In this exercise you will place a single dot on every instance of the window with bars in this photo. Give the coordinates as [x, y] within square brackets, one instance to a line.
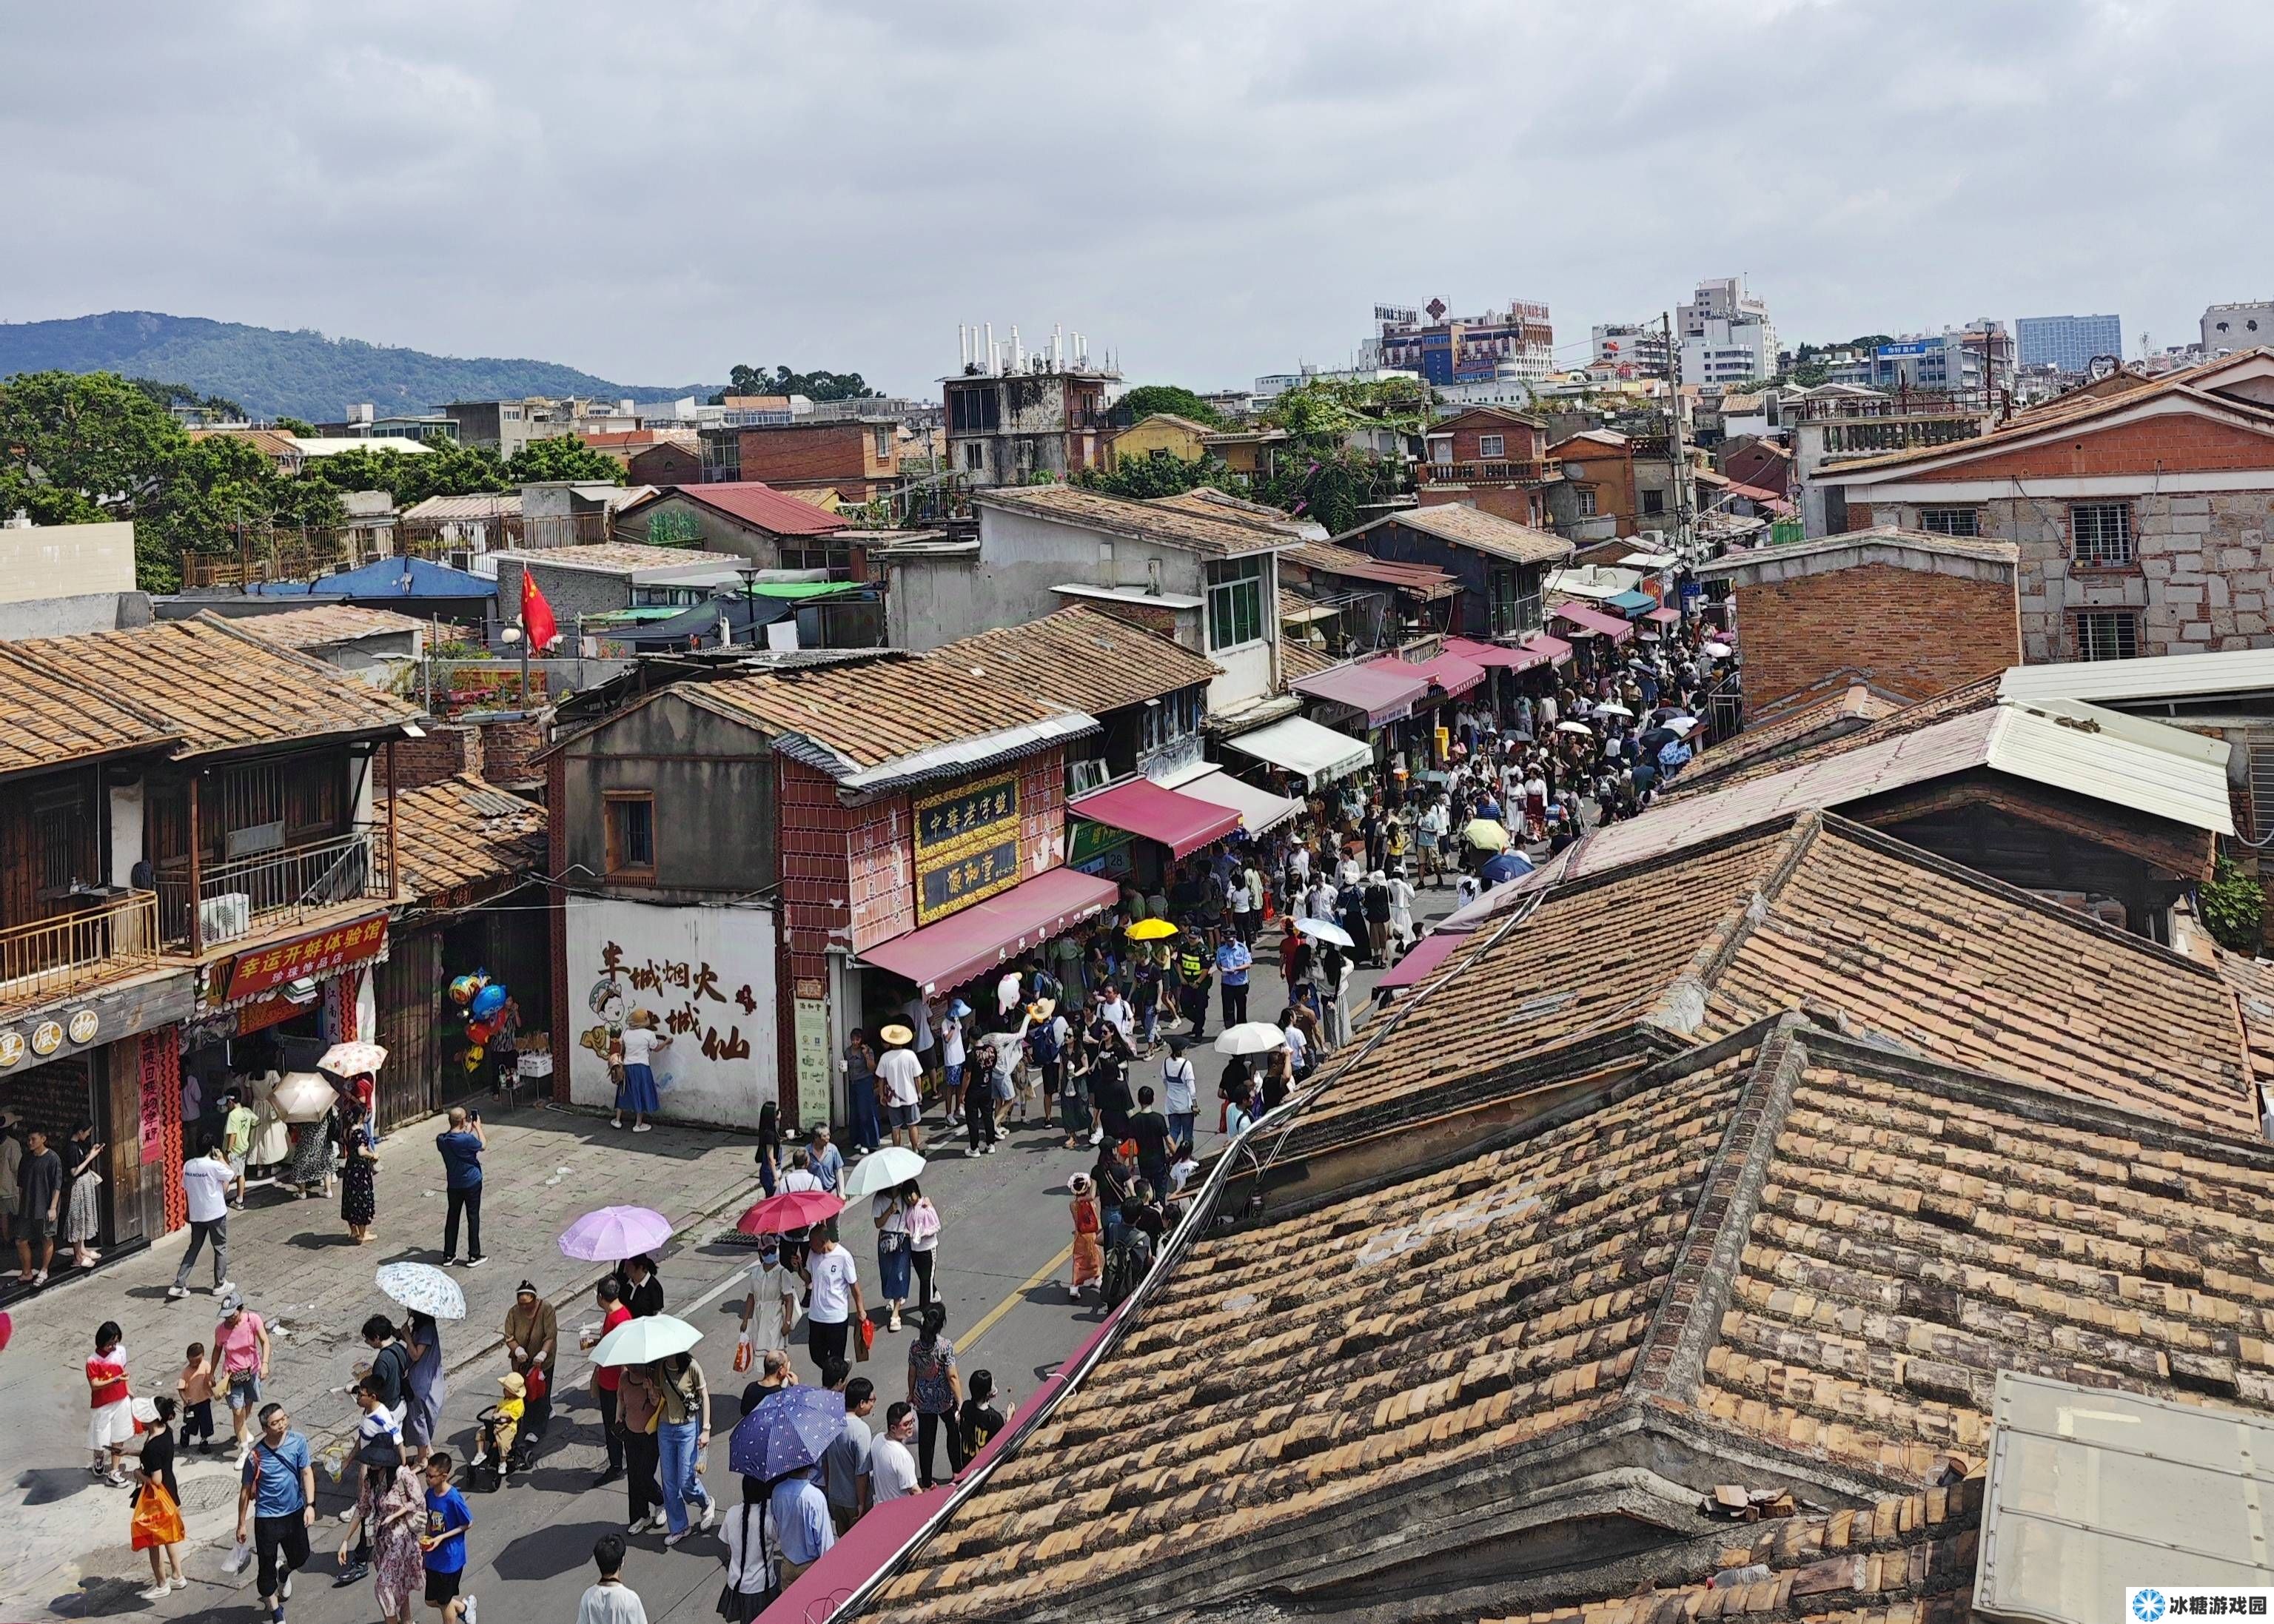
[2107, 634]
[2100, 533]
[631, 834]
[1951, 521]
[2261, 762]
[1235, 603]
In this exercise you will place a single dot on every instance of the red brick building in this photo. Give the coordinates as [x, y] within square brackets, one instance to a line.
[1595, 495]
[1487, 458]
[1912, 615]
[858, 458]
[666, 463]
[1762, 463]
[2140, 513]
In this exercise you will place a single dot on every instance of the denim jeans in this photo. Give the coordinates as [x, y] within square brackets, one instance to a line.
[1180, 1127]
[675, 1464]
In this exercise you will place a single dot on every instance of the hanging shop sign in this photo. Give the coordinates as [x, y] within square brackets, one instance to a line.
[46, 1037]
[967, 846]
[319, 952]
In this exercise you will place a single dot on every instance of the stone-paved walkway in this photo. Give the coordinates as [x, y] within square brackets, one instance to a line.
[296, 1266]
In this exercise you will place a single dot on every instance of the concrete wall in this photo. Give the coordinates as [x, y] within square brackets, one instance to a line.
[571, 592]
[713, 783]
[67, 617]
[66, 561]
[1021, 558]
[716, 532]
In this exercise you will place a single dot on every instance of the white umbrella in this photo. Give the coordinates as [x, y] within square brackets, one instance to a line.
[644, 1342]
[352, 1059]
[302, 1096]
[883, 1169]
[1611, 707]
[1323, 930]
[423, 1287]
[1250, 1037]
[1718, 650]
[1680, 723]
[1573, 727]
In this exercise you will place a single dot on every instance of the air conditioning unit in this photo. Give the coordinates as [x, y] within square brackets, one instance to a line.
[225, 918]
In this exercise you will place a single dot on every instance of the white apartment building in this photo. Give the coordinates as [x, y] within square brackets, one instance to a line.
[1727, 335]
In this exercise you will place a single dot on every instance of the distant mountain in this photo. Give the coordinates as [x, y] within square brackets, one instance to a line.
[301, 374]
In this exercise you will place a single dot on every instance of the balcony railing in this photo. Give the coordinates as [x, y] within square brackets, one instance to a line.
[271, 888]
[49, 958]
[1483, 472]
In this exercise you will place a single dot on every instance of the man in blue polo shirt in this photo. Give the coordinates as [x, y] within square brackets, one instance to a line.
[801, 1519]
[278, 1501]
[1232, 959]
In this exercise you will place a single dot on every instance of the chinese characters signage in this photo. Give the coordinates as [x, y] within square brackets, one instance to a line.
[318, 953]
[964, 879]
[706, 975]
[967, 817]
[811, 1016]
[2149, 1605]
[682, 987]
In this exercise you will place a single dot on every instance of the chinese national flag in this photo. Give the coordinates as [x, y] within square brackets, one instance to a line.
[536, 622]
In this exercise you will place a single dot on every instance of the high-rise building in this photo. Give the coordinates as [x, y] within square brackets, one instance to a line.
[2237, 326]
[1976, 358]
[1726, 333]
[1634, 348]
[2069, 343]
[1448, 349]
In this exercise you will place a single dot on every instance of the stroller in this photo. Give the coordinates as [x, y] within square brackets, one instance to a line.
[496, 1455]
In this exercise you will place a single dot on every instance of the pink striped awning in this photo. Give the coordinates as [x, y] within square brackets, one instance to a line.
[1594, 622]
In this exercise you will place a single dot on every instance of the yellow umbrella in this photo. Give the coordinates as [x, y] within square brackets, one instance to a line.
[1151, 931]
[1486, 835]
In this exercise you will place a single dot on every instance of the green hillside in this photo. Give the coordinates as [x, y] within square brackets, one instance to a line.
[302, 374]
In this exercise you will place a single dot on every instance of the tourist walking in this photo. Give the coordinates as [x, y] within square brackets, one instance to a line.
[462, 1144]
[1232, 959]
[308, 1170]
[205, 1183]
[532, 1343]
[923, 1219]
[834, 1303]
[635, 1048]
[157, 1503]
[844, 1458]
[770, 1306]
[275, 1506]
[642, 1286]
[444, 1543]
[241, 1354]
[1179, 1091]
[752, 1573]
[1089, 1253]
[195, 1390]
[358, 1175]
[892, 1463]
[390, 1515]
[935, 1389]
[608, 1297]
[638, 1396]
[682, 1433]
[610, 1600]
[888, 1211]
[425, 1387]
[110, 1408]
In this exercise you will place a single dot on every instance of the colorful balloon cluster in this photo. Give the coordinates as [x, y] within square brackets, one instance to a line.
[484, 1002]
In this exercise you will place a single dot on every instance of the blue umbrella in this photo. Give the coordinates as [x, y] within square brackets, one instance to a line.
[787, 1432]
[1503, 867]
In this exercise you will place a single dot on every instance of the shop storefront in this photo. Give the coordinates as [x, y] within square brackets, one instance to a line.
[1167, 825]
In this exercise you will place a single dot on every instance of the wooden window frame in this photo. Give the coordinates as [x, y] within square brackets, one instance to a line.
[617, 869]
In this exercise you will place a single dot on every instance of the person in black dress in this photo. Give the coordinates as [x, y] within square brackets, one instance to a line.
[359, 1179]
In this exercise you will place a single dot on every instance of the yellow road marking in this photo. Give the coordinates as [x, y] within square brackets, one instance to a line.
[1004, 1307]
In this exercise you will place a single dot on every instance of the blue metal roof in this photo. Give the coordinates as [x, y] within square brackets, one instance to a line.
[387, 579]
[1632, 602]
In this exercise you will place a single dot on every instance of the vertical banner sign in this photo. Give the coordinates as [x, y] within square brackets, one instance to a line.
[810, 1030]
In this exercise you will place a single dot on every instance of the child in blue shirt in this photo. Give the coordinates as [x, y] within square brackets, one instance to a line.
[444, 1543]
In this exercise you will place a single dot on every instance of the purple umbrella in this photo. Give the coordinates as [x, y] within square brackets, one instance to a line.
[787, 1432]
[615, 1233]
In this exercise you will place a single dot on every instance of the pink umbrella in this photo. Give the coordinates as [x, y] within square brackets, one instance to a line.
[794, 1209]
[615, 1233]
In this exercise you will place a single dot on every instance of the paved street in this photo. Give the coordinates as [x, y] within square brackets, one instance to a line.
[1002, 1272]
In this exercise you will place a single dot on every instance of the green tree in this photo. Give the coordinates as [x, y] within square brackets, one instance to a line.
[819, 385]
[563, 457]
[443, 469]
[1159, 473]
[1331, 486]
[2233, 908]
[166, 396]
[1178, 402]
[297, 426]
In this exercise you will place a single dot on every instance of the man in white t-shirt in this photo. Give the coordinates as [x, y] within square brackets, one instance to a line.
[205, 1182]
[1180, 1093]
[902, 1073]
[892, 1463]
[835, 1302]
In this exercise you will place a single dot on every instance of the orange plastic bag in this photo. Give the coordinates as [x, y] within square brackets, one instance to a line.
[742, 1353]
[157, 1520]
[864, 1341]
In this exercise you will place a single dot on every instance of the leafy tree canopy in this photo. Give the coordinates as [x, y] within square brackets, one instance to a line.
[563, 457]
[443, 469]
[1320, 412]
[1141, 478]
[169, 395]
[297, 426]
[1178, 402]
[1330, 487]
[820, 384]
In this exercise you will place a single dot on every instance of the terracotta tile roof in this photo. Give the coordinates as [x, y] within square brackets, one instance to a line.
[1311, 1366]
[619, 557]
[1795, 1258]
[1297, 658]
[50, 717]
[1329, 558]
[326, 623]
[1211, 503]
[463, 831]
[752, 502]
[1975, 697]
[1081, 659]
[2252, 982]
[871, 712]
[1174, 526]
[464, 509]
[1472, 527]
[215, 687]
[1828, 718]
[274, 444]
[1902, 1559]
[1821, 913]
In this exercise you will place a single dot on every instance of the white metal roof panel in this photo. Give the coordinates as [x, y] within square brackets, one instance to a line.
[1301, 746]
[2162, 676]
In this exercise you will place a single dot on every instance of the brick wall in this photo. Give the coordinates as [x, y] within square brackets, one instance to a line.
[447, 750]
[2170, 444]
[664, 464]
[1507, 501]
[1763, 465]
[815, 881]
[1519, 443]
[505, 748]
[1917, 633]
[836, 452]
[571, 592]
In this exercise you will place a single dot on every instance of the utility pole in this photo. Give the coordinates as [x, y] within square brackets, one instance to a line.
[1678, 460]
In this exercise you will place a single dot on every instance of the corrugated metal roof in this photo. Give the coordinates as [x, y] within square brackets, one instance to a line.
[2164, 676]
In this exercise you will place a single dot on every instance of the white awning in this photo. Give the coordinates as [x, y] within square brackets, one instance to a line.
[1259, 810]
[1316, 754]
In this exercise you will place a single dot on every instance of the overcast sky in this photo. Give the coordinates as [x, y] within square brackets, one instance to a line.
[1214, 189]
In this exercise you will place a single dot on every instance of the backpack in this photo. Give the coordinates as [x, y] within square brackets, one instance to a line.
[1042, 1042]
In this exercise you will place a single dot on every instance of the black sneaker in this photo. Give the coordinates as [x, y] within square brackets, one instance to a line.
[476, 1262]
[355, 1573]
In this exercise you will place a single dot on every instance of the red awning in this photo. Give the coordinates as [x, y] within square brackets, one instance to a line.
[1379, 696]
[1665, 617]
[1428, 955]
[1554, 648]
[987, 933]
[1517, 657]
[1447, 673]
[1181, 822]
[1617, 628]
